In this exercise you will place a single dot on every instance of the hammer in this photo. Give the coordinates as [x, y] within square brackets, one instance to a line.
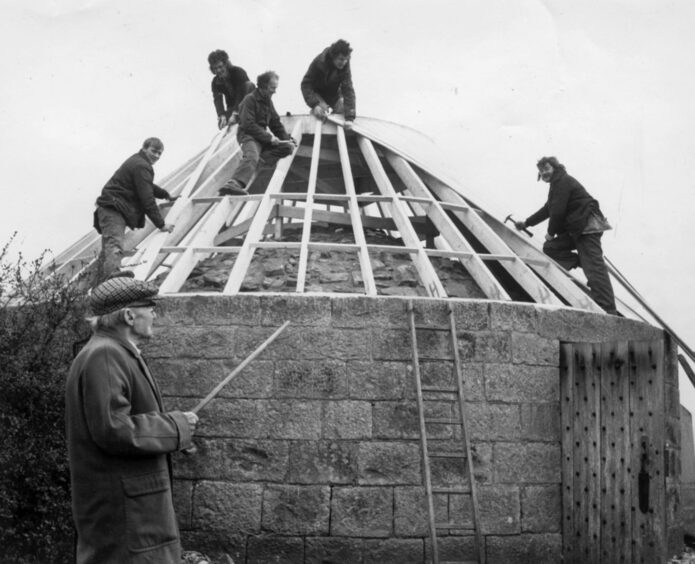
[509, 217]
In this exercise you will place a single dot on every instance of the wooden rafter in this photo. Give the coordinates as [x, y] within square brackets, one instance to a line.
[309, 209]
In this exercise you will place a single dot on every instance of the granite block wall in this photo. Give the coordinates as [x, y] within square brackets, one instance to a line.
[312, 453]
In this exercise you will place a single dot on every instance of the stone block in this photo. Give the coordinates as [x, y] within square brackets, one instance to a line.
[541, 422]
[311, 379]
[183, 502]
[376, 381]
[393, 551]
[491, 346]
[235, 460]
[208, 310]
[433, 344]
[286, 346]
[332, 550]
[522, 383]
[229, 418]
[527, 463]
[500, 509]
[347, 420]
[471, 315]
[337, 344]
[352, 313]
[362, 512]
[226, 507]
[541, 509]
[196, 378]
[302, 311]
[518, 317]
[323, 462]
[533, 349]
[411, 515]
[390, 313]
[383, 463]
[573, 325]
[390, 344]
[275, 549]
[293, 419]
[216, 545]
[524, 549]
[450, 471]
[433, 314]
[455, 549]
[296, 510]
[493, 421]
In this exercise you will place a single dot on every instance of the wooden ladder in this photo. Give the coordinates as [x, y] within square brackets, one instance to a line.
[427, 455]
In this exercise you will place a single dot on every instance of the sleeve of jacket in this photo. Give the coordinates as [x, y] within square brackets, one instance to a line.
[538, 217]
[313, 74]
[217, 99]
[143, 179]
[106, 390]
[557, 205]
[160, 193]
[247, 121]
[242, 86]
[348, 92]
[275, 124]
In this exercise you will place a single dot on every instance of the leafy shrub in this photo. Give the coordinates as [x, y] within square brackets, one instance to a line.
[41, 318]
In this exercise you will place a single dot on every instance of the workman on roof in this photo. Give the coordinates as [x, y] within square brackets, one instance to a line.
[229, 87]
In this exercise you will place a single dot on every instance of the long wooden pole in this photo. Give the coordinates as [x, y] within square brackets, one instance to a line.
[238, 369]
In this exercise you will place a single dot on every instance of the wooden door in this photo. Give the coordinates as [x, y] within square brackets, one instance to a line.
[613, 482]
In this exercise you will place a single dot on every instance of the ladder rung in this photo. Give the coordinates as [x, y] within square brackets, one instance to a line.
[438, 389]
[461, 491]
[443, 420]
[447, 455]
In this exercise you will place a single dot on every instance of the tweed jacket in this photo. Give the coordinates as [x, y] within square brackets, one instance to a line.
[118, 441]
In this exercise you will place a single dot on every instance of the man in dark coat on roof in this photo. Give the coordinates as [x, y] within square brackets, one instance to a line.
[575, 223]
[125, 200]
[261, 135]
[229, 87]
[327, 84]
[119, 436]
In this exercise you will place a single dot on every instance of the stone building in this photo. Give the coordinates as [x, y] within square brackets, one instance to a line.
[315, 452]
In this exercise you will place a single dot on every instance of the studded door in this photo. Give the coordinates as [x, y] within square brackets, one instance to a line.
[613, 481]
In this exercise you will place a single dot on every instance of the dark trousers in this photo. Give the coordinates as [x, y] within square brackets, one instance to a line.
[251, 152]
[589, 256]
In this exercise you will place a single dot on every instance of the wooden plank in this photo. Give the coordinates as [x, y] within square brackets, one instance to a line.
[308, 210]
[355, 216]
[647, 432]
[493, 243]
[428, 275]
[568, 417]
[477, 269]
[260, 219]
[616, 474]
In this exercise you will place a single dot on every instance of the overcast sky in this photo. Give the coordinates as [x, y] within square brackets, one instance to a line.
[607, 86]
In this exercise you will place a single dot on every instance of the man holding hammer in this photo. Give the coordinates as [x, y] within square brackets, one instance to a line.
[119, 436]
[575, 223]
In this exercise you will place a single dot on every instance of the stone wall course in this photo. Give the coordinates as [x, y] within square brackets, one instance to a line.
[296, 510]
[323, 462]
[334, 550]
[362, 511]
[311, 379]
[393, 551]
[310, 311]
[388, 463]
[521, 383]
[208, 310]
[522, 318]
[340, 344]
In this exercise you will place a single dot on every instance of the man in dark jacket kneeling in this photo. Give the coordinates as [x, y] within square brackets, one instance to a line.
[575, 223]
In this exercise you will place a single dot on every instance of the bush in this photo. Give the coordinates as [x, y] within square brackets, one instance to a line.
[41, 318]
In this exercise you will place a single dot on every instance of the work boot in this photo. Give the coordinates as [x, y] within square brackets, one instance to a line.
[232, 188]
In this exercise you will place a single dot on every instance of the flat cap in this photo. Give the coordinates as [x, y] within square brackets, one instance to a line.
[119, 292]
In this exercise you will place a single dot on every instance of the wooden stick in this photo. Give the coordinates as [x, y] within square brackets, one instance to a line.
[238, 369]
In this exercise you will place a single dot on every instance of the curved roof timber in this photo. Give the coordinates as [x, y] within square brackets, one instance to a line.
[360, 180]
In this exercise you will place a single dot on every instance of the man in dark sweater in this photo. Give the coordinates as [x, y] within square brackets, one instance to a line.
[229, 87]
[327, 84]
[575, 223]
[125, 200]
[261, 135]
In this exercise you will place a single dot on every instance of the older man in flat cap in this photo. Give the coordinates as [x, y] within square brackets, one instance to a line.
[119, 436]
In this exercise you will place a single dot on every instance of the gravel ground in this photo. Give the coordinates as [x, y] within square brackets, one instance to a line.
[688, 557]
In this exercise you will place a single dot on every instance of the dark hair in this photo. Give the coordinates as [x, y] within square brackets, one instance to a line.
[218, 56]
[156, 141]
[552, 161]
[340, 47]
[262, 80]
